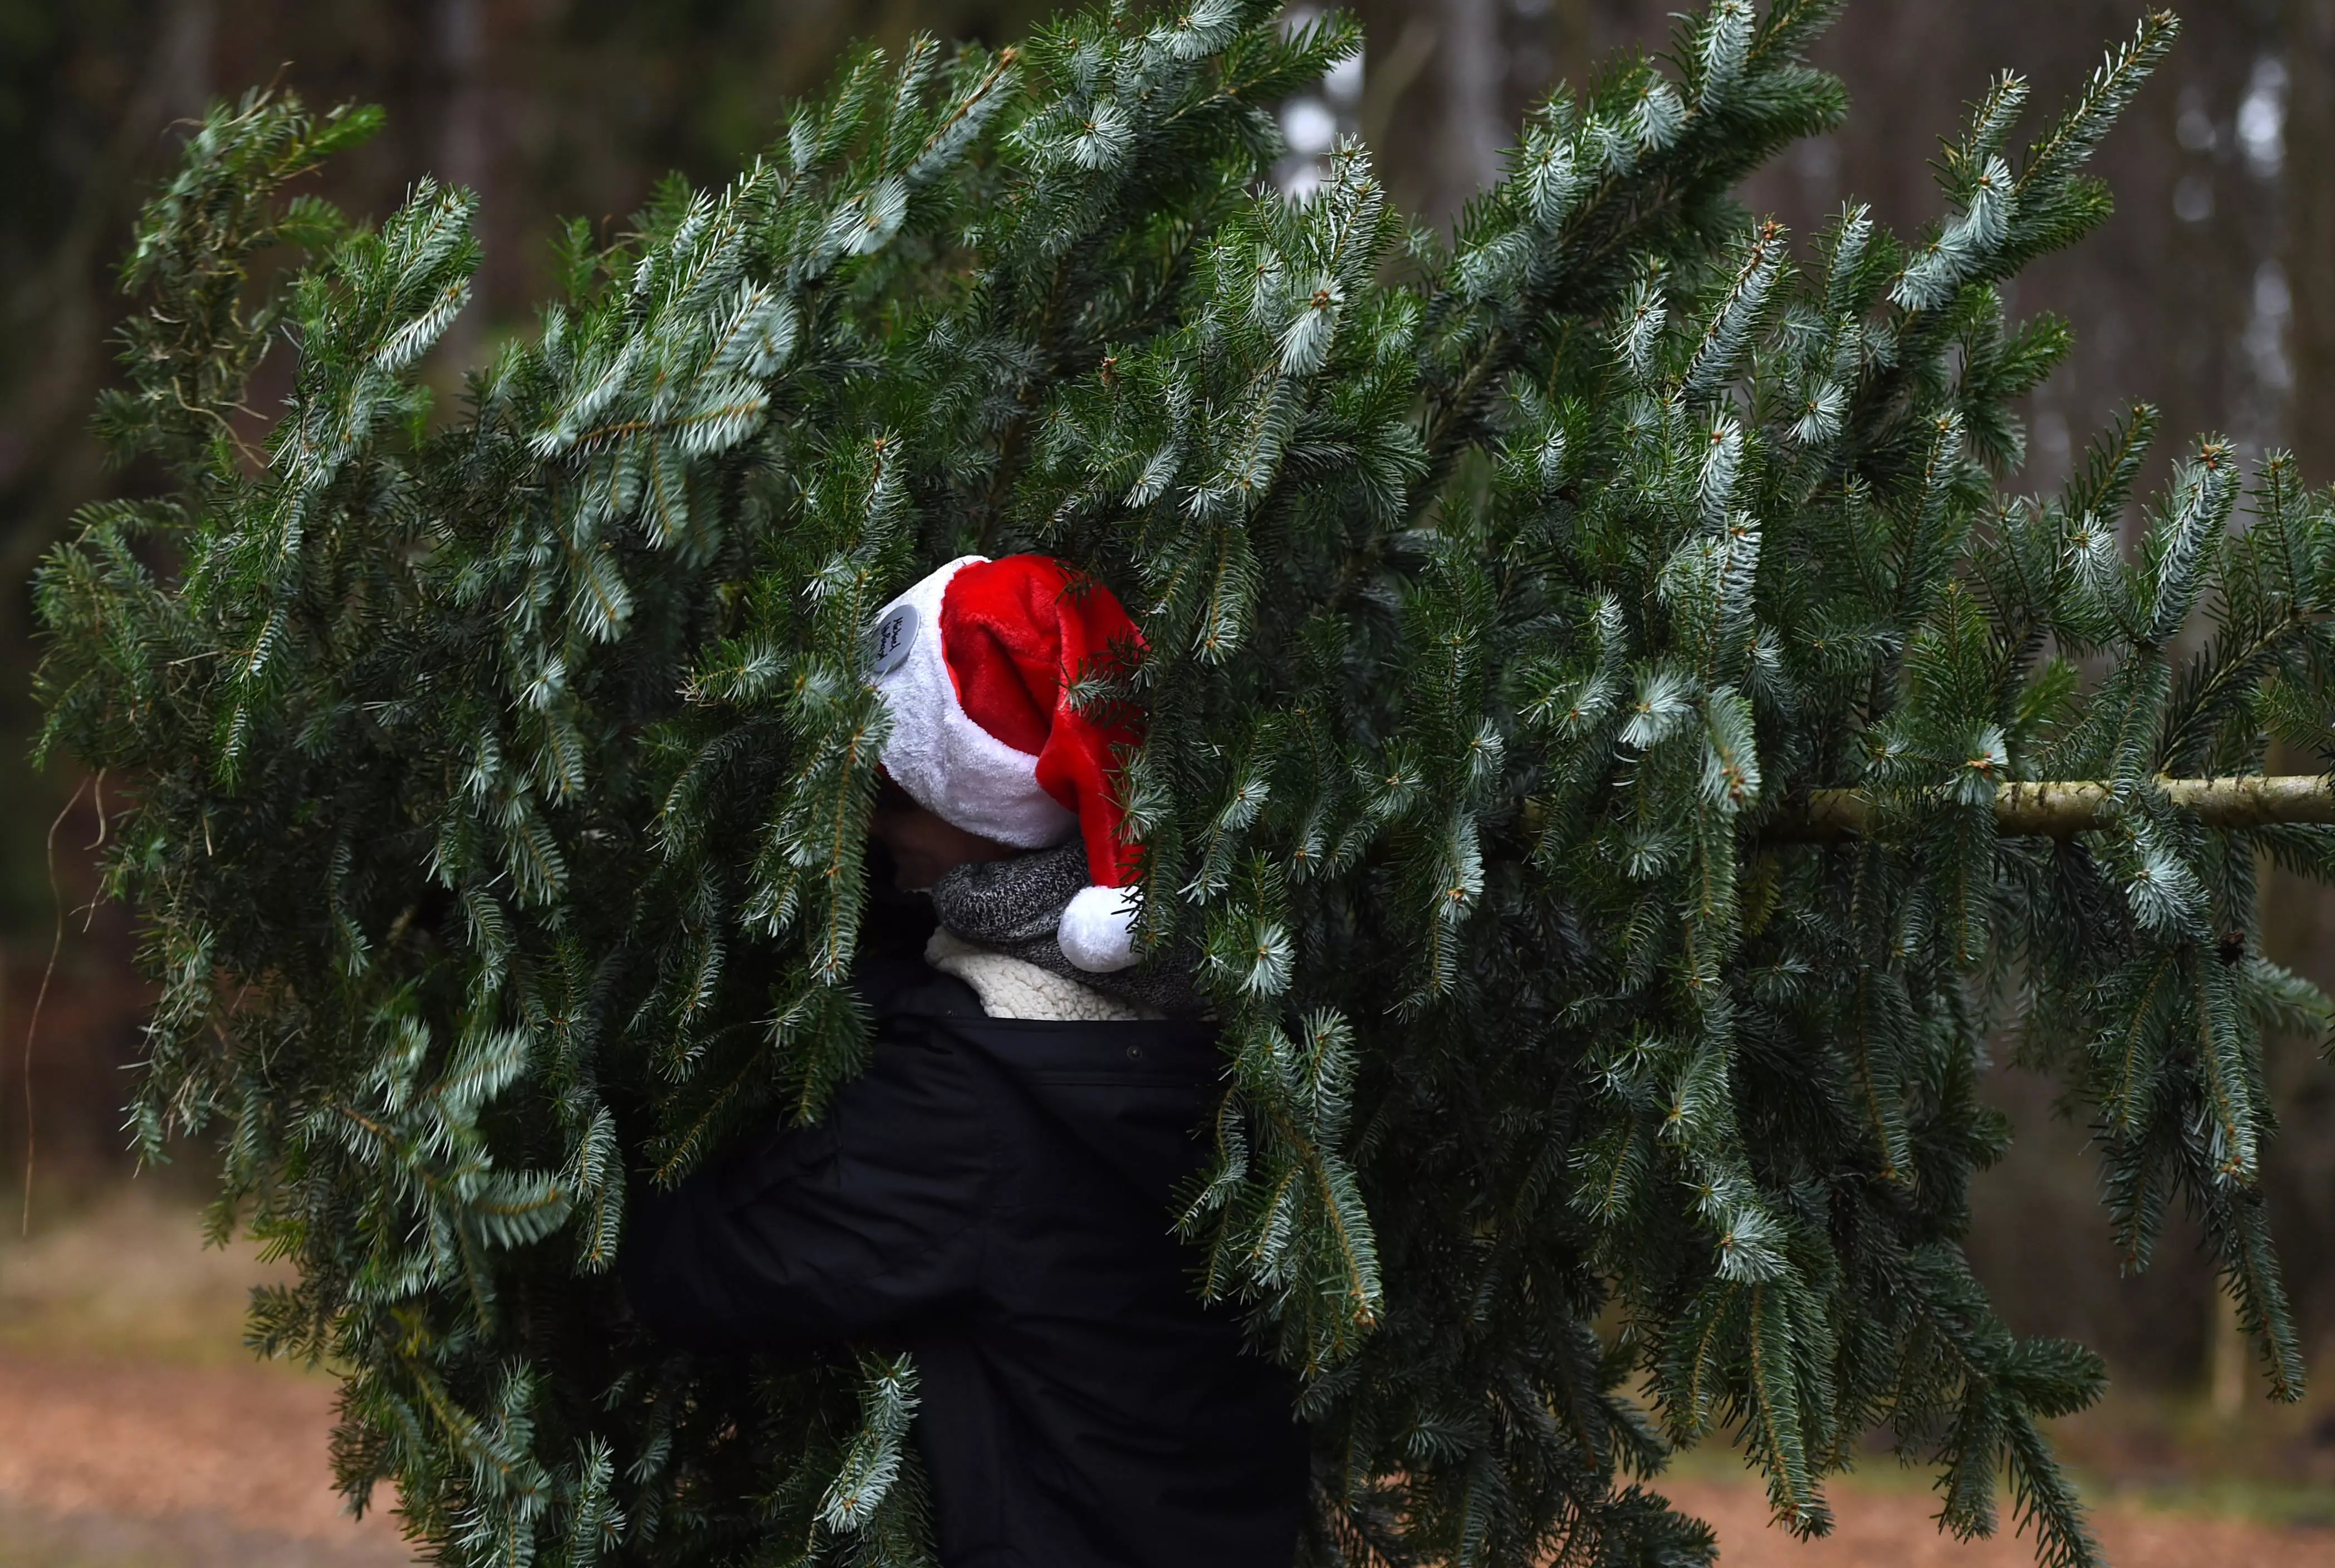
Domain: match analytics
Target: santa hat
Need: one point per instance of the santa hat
(975, 664)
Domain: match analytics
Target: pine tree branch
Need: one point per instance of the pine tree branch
(2056, 808)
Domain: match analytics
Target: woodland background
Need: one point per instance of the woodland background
(2211, 292)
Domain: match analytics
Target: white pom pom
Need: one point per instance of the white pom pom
(1097, 929)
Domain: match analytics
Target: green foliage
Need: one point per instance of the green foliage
(500, 781)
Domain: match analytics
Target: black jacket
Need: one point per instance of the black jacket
(995, 1194)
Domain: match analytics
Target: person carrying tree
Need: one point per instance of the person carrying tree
(993, 1194)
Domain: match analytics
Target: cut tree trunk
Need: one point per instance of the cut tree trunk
(2056, 808)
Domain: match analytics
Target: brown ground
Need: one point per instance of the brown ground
(134, 1433)
(111, 1464)
(135, 1430)
(1890, 1529)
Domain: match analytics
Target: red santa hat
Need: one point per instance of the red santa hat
(975, 664)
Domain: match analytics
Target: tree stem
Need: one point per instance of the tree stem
(2055, 808)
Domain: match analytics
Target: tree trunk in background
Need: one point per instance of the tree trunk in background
(2310, 230)
(1434, 100)
(1471, 71)
(464, 154)
(2229, 1382)
(1447, 83)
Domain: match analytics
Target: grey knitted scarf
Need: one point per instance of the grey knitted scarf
(1014, 905)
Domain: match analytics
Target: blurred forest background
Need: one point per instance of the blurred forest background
(2211, 292)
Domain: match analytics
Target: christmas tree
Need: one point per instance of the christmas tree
(1618, 744)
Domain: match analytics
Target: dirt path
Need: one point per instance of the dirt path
(130, 1463)
(1890, 1529)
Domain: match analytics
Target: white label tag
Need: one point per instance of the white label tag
(887, 644)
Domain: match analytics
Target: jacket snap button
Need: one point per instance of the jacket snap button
(1134, 1053)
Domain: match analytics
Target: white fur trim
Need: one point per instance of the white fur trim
(951, 765)
(1011, 987)
(1097, 929)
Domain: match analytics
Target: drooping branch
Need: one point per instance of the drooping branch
(2055, 808)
